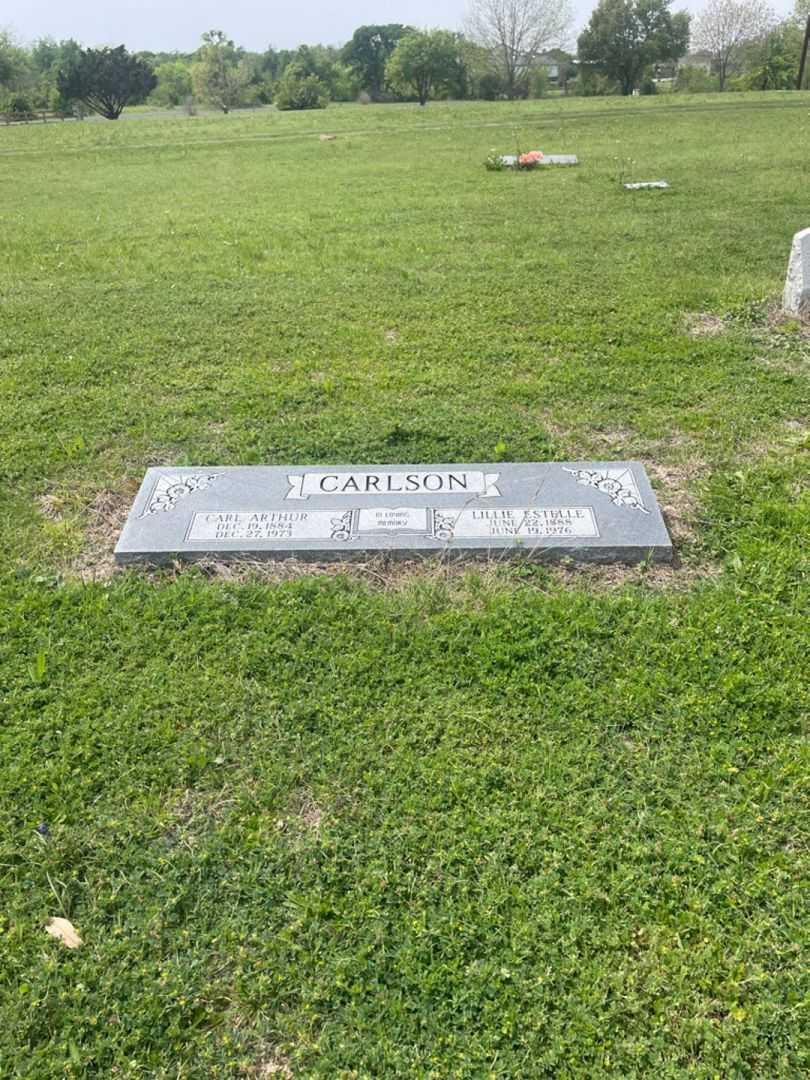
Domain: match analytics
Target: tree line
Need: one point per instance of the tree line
(508, 49)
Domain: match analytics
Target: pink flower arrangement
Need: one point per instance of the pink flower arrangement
(528, 161)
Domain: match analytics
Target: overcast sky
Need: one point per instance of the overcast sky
(177, 24)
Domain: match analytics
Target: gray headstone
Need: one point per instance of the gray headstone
(596, 510)
(547, 159)
(640, 185)
(796, 298)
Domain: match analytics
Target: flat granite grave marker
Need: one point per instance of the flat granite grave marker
(510, 160)
(602, 511)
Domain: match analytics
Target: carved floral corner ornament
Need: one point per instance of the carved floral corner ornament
(170, 489)
(618, 484)
(444, 524)
(342, 526)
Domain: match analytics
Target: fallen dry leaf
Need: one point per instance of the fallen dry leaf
(65, 931)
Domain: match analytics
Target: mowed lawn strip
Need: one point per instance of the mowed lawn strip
(498, 823)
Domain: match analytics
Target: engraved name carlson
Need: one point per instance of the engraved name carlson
(383, 481)
(393, 483)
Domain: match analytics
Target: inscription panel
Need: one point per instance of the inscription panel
(459, 481)
(516, 521)
(269, 525)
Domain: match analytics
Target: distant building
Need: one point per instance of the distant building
(702, 60)
(550, 64)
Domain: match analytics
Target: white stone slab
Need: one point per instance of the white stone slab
(603, 511)
(547, 159)
(639, 185)
(796, 298)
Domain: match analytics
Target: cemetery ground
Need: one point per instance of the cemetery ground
(406, 821)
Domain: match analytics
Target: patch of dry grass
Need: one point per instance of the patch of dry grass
(270, 1063)
(106, 516)
(192, 812)
(704, 324)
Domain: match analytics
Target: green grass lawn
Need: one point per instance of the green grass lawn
(502, 822)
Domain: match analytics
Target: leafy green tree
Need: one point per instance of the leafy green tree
(105, 80)
(724, 27)
(47, 58)
(297, 90)
(423, 62)
(343, 83)
(695, 80)
(593, 83)
(772, 62)
(801, 14)
(173, 83)
(538, 82)
(222, 76)
(17, 105)
(516, 32)
(15, 69)
(625, 37)
(489, 86)
(272, 62)
(324, 61)
(369, 51)
(479, 76)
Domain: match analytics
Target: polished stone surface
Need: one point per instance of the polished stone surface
(796, 298)
(599, 511)
(547, 159)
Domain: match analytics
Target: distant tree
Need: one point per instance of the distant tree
(801, 15)
(772, 62)
(297, 90)
(724, 26)
(516, 32)
(692, 79)
(489, 86)
(344, 84)
(369, 51)
(423, 62)
(273, 62)
(105, 80)
(624, 38)
(173, 83)
(221, 74)
(538, 82)
(15, 69)
(478, 78)
(325, 63)
(47, 58)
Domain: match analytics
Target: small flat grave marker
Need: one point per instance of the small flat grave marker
(547, 159)
(602, 511)
(640, 185)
